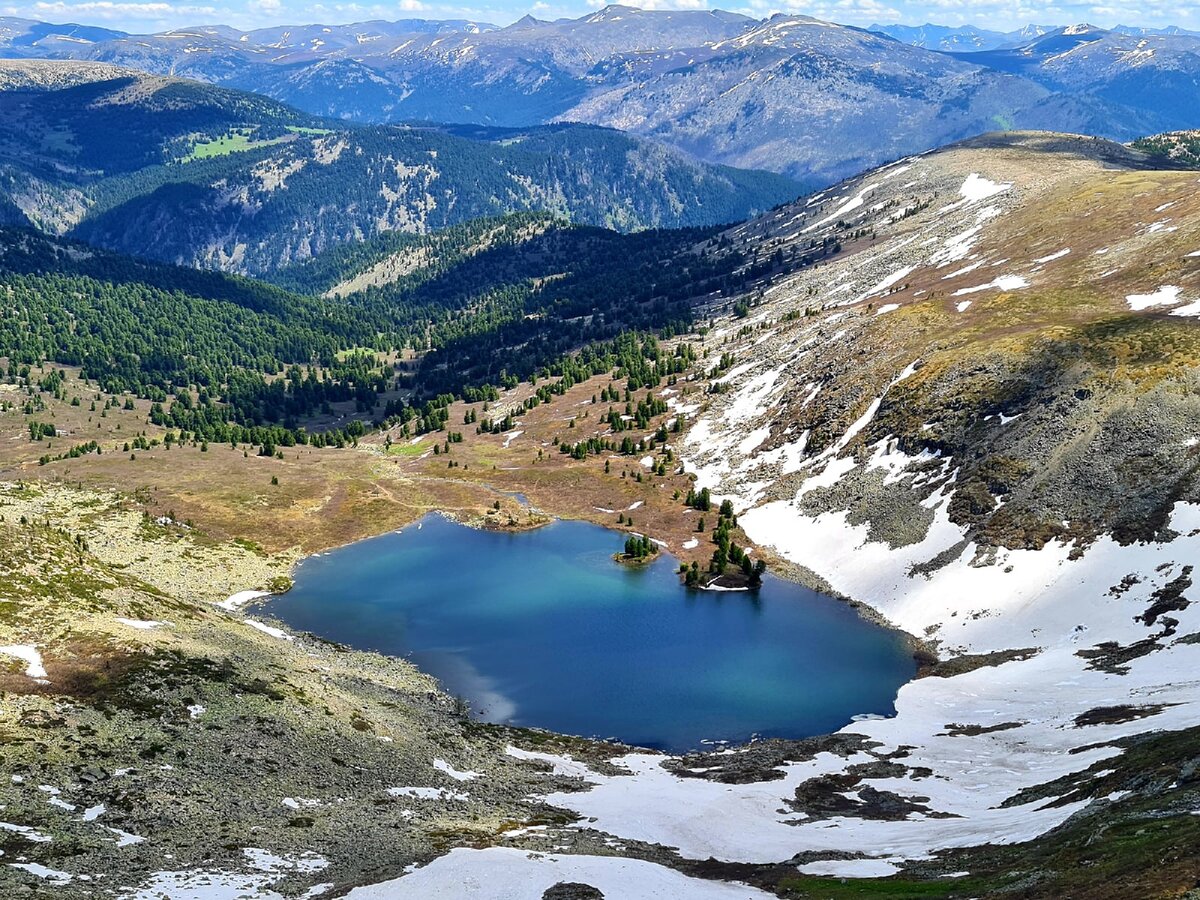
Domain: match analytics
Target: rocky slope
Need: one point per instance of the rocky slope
(980, 420)
(928, 244)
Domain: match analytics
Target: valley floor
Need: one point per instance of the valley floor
(983, 435)
(166, 745)
(162, 740)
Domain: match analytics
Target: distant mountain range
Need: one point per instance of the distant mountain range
(791, 94)
(1153, 79)
(968, 38)
(960, 39)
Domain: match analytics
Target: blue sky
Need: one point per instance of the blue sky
(1004, 15)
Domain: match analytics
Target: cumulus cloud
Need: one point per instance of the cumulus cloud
(1000, 15)
(654, 4)
(110, 9)
(674, 4)
(846, 12)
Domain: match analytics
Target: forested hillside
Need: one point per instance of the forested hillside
(204, 176)
(500, 299)
(157, 331)
(265, 209)
(390, 324)
(1178, 148)
(124, 123)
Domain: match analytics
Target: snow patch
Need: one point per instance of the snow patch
(442, 766)
(1189, 309)
(269, 629)
(30, 655)
(1164, 296)
(561, 765)
(977, 188)
(54, 876)
(508, 873)
(30, 834)
(125, 839)
(92, 813)
(426, 793)
(852, 868)
(241, 598)
(1003, 283)
(1053, 256)
(223, 884)
(849, 206)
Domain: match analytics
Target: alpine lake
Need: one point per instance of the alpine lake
(543, 628)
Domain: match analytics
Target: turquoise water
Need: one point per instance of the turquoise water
(542, 628)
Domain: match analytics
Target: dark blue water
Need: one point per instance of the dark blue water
(543, 628)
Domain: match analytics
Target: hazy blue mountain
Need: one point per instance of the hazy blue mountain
(323, 39)
(29, 37)
(814, 100)
(963, 38)
(444, 71)
(1152, 77)
(1137, 31)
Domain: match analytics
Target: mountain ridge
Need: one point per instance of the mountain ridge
(662, 74)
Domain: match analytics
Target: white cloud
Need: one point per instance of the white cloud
(110, 8)
(1000, 15)
(674, 4)
(847, 12)
(654, 4)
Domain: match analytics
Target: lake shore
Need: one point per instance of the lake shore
(202, 527)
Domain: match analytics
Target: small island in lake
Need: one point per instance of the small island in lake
(638, 550)
(731, 567)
